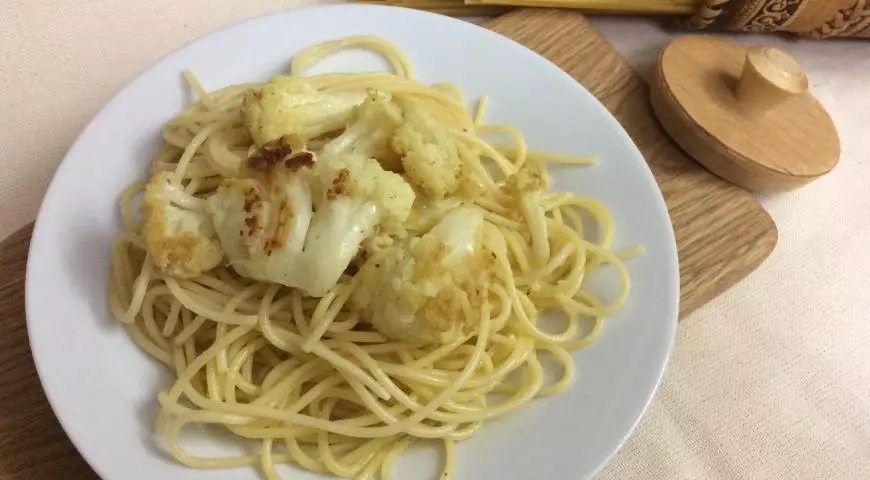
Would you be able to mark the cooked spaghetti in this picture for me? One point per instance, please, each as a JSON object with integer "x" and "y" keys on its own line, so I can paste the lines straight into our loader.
{"x": 340, "y": 265}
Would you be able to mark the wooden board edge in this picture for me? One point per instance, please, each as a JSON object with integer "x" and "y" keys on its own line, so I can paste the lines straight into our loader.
{"x": 757, "y": 251}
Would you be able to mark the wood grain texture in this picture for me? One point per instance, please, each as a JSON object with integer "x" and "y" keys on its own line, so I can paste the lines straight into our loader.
{"x": 32, "y": 444}
{"x": 694, "y": 96}
{"x": 722, "y": 235}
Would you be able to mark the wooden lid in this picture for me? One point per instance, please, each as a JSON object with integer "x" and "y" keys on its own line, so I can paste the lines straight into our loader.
{"x": 744, "y": 113}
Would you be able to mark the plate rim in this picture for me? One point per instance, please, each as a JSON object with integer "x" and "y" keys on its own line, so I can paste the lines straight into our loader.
{"x": 37, "y": 240}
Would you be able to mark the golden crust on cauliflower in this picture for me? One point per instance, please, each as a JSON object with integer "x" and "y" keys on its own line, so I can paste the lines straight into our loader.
{"x": 289, "y": 150}
{"x": 430, "y": 157}
{"x": 430, "y": 289}
{"x": 180, "y": 241}
{"x": 291, "y": 106}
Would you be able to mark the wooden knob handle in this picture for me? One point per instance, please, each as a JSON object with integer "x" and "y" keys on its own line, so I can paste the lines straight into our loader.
{"x": 769, "y": 77}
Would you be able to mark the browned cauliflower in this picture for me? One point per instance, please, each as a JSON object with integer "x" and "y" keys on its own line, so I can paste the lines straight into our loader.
{"x": 179, "y": 234}
{"x": 430, "y": 156}
{"x": 291, "y": 106}
{"x": 429, "y": 289}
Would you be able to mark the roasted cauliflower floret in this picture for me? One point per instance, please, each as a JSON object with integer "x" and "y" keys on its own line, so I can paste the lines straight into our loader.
{"x": 179, "y": 234}
{"x": 370, "y": 132}
{"x": 301, "y": 227}
{"x": 291, "y": 106}
{"x": 429, "y": 289}
{"x": 359, "y": 177}
{"x": 262, "y": 229}
{"x": 430, "y": 156}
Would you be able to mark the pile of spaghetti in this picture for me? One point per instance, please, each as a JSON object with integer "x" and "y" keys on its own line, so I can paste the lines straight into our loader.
{"x": 339, "y": 265}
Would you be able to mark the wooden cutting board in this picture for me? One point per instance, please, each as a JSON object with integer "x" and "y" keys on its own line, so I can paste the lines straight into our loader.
{"x": 722, "y": 235}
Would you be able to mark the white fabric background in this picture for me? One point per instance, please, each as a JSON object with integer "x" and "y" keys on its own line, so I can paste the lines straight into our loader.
{"x": 770, "y": 380}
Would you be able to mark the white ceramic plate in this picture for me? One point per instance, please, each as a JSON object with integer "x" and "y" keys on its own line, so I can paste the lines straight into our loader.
{"x": 103, "y": 388}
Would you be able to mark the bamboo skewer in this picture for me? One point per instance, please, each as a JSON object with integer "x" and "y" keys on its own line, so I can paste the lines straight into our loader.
{"x": 609, "y": 6}
{"x": 495, "y": 7}
{"x": 453, "y": 8}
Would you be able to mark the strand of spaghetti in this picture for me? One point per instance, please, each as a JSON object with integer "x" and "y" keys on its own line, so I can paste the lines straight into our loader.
{"x": 529, "y": 388}
{"x": 172, "y": 318}
{"x": 355, "y": 460}
{"x": 219, "y": 284}
{"x": 189, "y": 330}
{"x": 329, "y": 460}
{"x": 147, "y": 312}
{"x": 212, "y": 379}
{"x": 572, "y": 281}
{"x": 306, "y": 373}
{"x": 191, "y": 148}
{"x": 501, "y": 162}
{"x": 173, "y": 430}
{"x": 187, "y": 345}
{"x": 368, "y": 337}
{"x": 532, "y": 313}
{"x": 409, "y": 92}
{"x": 234, "y": 379}
{"x": 121, "y": 280}
{"x": 568, "y": 370}
{"x": 174, "y": 136}
{"x": 275, "y": 432}
{"x": 274, "y": 334}
{"x": 221, "y": 156}
{"x": 554, "y": 262}
{"x": 518, "y": 305}
{"x": 449, "y": 460}
{"x": 391, "y": 456}
{"x": 517, "y": 248}
{"x": 342, "y": 427}
{"x": 431, "y": 377}
{"x": 533, "y": 213}
{"x": 146, "y": 344}
{"x": 201, "y": 361}
{"x": 520, "y": 149}
{"x": 266, "y": 461}
{"x": 308, "y": 57}
{"x": 368, "y": 432}
{"x": 464, "y": 413}
{"x": 140, "y": 288}
{"x": 200, "y": 309}
{"x": 451, "y": 89}
{"x": 505, "y": 309}
{"x": 325, "y": 313}
{"x": 597, "y": 210}
{"x": 246, "y": 303}
{"x": 126, "y": 202}
{"x": 631, "y": 252}
{"x": 580, "y": 308}
{"x": 178, "y": 359}
{"x": 373, "y": 466}
{"x": 344, "y": 326}
{"x": 414, "y": 406}
{"x": 346, "y": 81}
{"x": 480, "y": 113}
{"x": 197, "y": 88}
{"x": 301, "y": 457}
{"x": 411, "y": 424}
{"x": 435, "y": 355}
{"x": 471, "y": 160}
{"x": 547, "y": 157}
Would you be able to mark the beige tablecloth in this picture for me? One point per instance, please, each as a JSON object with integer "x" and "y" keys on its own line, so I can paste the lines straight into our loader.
{"x": 771, "y": 380}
